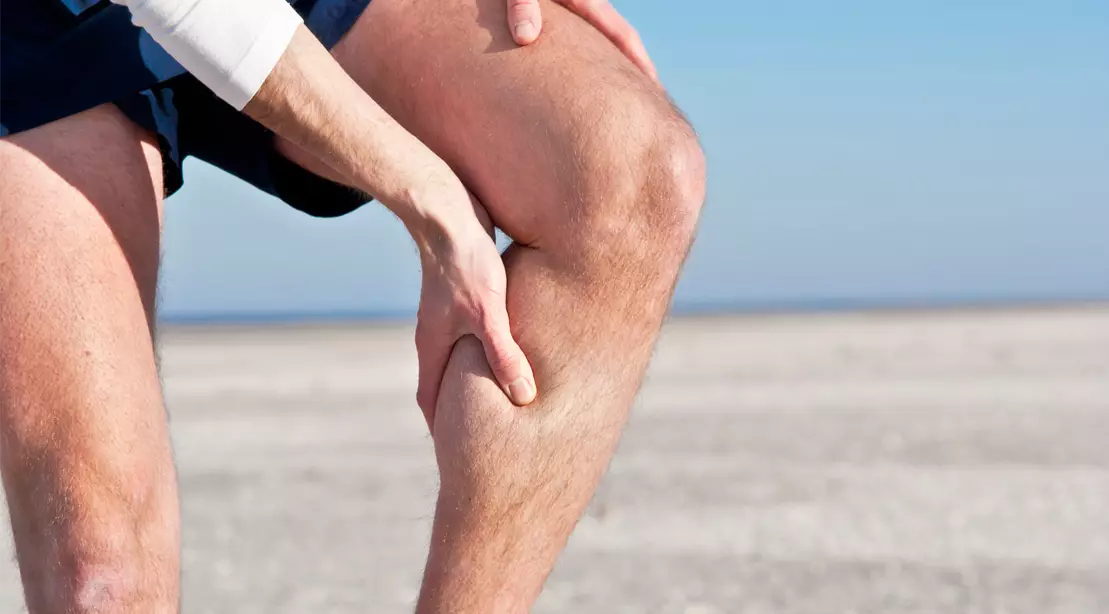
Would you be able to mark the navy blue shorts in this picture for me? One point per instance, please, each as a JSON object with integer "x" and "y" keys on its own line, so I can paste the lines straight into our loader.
{"x": 61, "y": 57}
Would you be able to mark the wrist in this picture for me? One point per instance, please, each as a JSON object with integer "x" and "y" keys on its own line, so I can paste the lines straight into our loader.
{"x": 434, "y": 211}
{"x": 431, "y": 234}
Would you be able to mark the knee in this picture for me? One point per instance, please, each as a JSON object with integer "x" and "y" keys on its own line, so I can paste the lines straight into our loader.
{"x": 104, "y": 588}
{"x": 644, "y": 189}
{"x": 90, "y": 543}
{"x": 80, "y": 587}
{"x": 109, "y": 585}
{"x": 674, "y": 191}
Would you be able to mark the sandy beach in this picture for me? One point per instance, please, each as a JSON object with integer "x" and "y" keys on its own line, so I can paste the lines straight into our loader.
{"x": 877, "y": 463}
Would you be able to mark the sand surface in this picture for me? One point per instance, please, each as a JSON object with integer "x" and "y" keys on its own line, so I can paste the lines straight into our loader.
{"x": 940, "y": 462}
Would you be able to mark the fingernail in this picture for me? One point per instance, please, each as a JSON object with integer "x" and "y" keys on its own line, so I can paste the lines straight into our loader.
{"x": 524, "y": 30}
{"x": 521, "y": 391}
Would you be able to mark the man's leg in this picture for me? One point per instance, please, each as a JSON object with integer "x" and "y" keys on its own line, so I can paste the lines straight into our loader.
{"x": 84, "y": 448}
{"x": 583, "y": 161}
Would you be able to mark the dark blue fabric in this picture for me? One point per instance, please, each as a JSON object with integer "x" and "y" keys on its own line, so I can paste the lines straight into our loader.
{"x": 61, "y": 57}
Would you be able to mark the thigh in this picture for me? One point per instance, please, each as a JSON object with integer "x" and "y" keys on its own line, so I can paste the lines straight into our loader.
{"x": 81, "y": 418}
{"x": 530, "y": 130}
{"x": 80, "y": 216}
{"x": 80, "y": 223}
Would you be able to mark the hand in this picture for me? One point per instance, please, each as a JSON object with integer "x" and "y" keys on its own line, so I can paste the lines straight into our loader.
{"x": 463, "y": 293}
{"x": 333, "y": 125}
{"x": 525, "y": 21}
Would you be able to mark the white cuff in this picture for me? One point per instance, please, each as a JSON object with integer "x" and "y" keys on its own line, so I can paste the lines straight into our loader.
{"x": 229, "y": 46}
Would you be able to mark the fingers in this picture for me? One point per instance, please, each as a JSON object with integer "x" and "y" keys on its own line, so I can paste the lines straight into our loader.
{"x": 603, "y": 16}
{"x": 506, "y": 359}
{"x": 524, "y": 20}
{"x": 433, "y": 350}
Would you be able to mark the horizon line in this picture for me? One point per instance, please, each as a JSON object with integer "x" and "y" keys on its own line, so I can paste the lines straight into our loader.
{"x": 692, "y": 308}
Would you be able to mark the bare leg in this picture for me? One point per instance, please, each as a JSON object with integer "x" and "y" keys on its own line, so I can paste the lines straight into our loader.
{"x": 587, "y": 166}
{"x": 84, "y": 449}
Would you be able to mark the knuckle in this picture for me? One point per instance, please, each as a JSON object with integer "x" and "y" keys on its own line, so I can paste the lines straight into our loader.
{"x": 496, "y": 348}
{"x": 490, "y": 328}
{"x": 501, "y": 365}
{"x": 502, "y": 357}
{"x": 493, "y": 339}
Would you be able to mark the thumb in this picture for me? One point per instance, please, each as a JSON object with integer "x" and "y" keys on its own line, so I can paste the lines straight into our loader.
{"x": 507, "y": 360}
{"x": 524, "y": 20}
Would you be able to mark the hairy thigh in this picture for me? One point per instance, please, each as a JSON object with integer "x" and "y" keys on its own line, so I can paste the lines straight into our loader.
{"x": 80, "y": 216}
{"x": 533, "y": 130}
{"x": 80, "y": 212}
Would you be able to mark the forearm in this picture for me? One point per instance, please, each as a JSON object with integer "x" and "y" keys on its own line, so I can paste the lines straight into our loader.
{"x": 258, "y": 57}
{"x": 310, "y": 100}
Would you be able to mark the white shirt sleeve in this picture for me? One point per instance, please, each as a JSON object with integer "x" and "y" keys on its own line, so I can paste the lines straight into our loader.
{"x": 230, "y": 46}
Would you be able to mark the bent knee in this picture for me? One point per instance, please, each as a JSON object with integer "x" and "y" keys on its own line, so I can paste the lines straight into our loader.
{"x": 105, "y": 587}
{"x": 641, "y": 186}
{"x": 675, "y": 189}
{"x": 117, "y": 569}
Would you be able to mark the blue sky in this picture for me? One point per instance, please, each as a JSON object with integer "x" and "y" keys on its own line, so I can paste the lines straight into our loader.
{"x": 858, "y": 151}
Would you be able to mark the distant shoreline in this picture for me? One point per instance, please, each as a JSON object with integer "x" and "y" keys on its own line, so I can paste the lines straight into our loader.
{"x": 691, "y": 310}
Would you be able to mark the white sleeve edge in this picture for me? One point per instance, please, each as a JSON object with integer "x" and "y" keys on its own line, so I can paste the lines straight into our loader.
{"x": 231, "y": 46}
{"x": 252, "y": 70}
